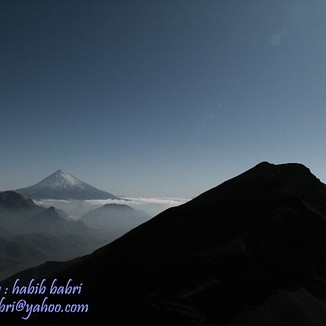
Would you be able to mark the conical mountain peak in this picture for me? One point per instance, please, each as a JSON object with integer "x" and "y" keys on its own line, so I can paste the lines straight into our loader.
{"x": 61, "y": 180}
{"x": 62, "y": 172}
{"x": 63, "y": 185}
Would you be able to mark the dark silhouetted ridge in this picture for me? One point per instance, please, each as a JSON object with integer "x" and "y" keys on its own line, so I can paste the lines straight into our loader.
{"x": 250, "y": 251}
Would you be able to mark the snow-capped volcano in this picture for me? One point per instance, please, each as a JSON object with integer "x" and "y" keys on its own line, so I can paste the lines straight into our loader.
{"x": 63, "y": 185}
{"x": 61, "y": 180}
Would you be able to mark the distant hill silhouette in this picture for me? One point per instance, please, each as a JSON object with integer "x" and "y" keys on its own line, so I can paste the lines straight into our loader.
{"x": 250, "y": 251}
{"x": 115, "y": 219}
{"x": 10, "y": 200}
{"x": 62, "y": 185}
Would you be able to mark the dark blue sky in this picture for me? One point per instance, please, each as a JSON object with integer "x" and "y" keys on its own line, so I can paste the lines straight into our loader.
{"x": 160, "y": 98}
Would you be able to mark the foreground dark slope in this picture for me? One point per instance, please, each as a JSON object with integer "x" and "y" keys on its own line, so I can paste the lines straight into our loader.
{"x": 248, "y": 252}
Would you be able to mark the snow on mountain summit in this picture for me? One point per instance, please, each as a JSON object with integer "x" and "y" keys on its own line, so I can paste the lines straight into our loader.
{"x": 61, "y": 180}
{"x": 63, "y": 185}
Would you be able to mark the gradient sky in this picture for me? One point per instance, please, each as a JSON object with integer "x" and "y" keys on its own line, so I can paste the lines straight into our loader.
{"x": 160, "y": 98}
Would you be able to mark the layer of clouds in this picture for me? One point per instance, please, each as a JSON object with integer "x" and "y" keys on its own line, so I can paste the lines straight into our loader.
{"x": 76, "y": 208}
{"x": 140, "y": 201}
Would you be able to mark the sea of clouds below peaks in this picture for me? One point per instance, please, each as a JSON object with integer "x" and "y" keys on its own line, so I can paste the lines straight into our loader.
{"x": 76, "y": 208}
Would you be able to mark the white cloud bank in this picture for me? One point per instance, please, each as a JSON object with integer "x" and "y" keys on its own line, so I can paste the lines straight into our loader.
{"x": 76, "y": 208}
{"x": 139, "y": 201}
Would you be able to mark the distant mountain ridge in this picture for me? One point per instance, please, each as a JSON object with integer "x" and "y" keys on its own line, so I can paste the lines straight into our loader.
{"x": 63, "y": 185}
{"x": 31, "y": 234}
{"x": 12, "y": 201}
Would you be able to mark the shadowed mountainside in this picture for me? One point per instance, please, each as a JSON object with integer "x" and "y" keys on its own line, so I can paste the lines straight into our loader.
{"x": 251, "y": 251}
